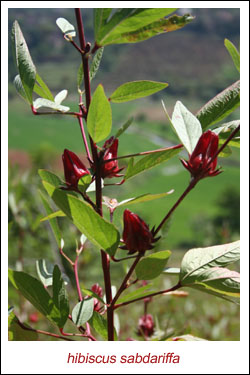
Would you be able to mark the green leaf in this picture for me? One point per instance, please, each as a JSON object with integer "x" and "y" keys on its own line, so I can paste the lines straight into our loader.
{"x": 100, "y": 17}
{"x": 220, "y": 106}
{"x": 203, "y": 288}
{"x": 17, "y": 333}
{"x": 25, "y": 65}
{"x": 50, "y": 177}
{"x": 66, "y": 27}
{"x": 152, "y": 265}
{"x": 128, "y": 20}
{"x": 99, "y": 120}
{"x": 104, "y": 29}
{"x": 234, "y": 53}
{"x": 34, "y": 291}
{"x": 53, "y": 221}
{"x": 99, "y": 324}
{"x": 202, "y": 269}
{"x": 144, "y": 198}
{"x": 83, "y": 311}
{"x": 99, "y": 231}
{"x": 58, "y": 213}
{"x": 138, "y": 293}
{"x": 200, "y": 259}
{"x": 219, "y": 280}
{"x": 149, "y": 161}
{"x": 124, "y": 127}
{"x": 148, "y": 31}
{"x": 186, "y": 126}
{"x": 60, "y": 296}
{"x": 90, "y": 293}
{"x": 19, "y": 88}
{"x": 95, "y": 63}
{"x": 136, "y": 89}
{"x": 42, "y": 90}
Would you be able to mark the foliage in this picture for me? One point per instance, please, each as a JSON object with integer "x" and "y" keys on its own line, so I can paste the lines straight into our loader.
{"x": 80, "y": 200}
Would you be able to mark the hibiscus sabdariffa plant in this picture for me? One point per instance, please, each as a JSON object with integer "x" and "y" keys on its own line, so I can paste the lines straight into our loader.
{"x": 202, "y": 268}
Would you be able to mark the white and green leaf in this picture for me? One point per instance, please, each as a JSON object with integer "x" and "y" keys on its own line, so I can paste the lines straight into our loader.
{"x": 83, "y": 311}
{"x": 66, "y": 27}
{"x": 25, "y": 65}
{"x": 186, "y": 126}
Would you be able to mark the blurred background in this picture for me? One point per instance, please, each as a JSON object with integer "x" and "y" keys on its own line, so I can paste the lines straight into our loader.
{"x": 196, "y": 66}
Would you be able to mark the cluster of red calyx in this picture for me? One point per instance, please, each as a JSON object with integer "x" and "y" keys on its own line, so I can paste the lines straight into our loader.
{"x": 136, "y": 234}
{"x": 110, "y": 169}
{"x": 146, "y": 325}
{"x": 97, "y": 289}
{"x": 74, "y": 169}
{"x": 199, "y": 163}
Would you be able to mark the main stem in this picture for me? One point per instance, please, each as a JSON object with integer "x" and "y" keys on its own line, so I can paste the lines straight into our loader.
{"x": 97, "y": 164}
{"x": 124, "y": 283}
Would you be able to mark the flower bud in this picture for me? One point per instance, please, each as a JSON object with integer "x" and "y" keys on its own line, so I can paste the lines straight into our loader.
{"x": 74, "y": 169}
{"x": 136, "y": 234}
{"x": 110, "y": 169}
{"x": 199, "y": 163}
{"x": 146, "y": 325}
{"x": 33, "y": 318}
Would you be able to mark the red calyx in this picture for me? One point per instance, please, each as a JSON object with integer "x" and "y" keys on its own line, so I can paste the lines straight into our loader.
{"x": 97, "y": 289}
{"x": 146, "y": 325}
{"x": 136, "y": 234}
{"x": 110, "y": 169}
{"x": 199, "y": 163}
{"x": 74, "y": 169}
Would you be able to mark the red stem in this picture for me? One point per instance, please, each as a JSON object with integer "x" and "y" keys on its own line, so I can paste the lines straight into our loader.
{"x": 85, "y": 65}
{"x": 42, "y": 332}
{"x": 96, "y": 161}
{"x": 77, "y": 279}
{"x": 84, "y": 138}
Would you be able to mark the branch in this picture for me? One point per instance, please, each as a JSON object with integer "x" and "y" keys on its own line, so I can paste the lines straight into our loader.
{"x": 144, "y": 153}
{"x": 42, "y": 332}
{"x": 124, "y": 283}
{"x": 177, "y": 286}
